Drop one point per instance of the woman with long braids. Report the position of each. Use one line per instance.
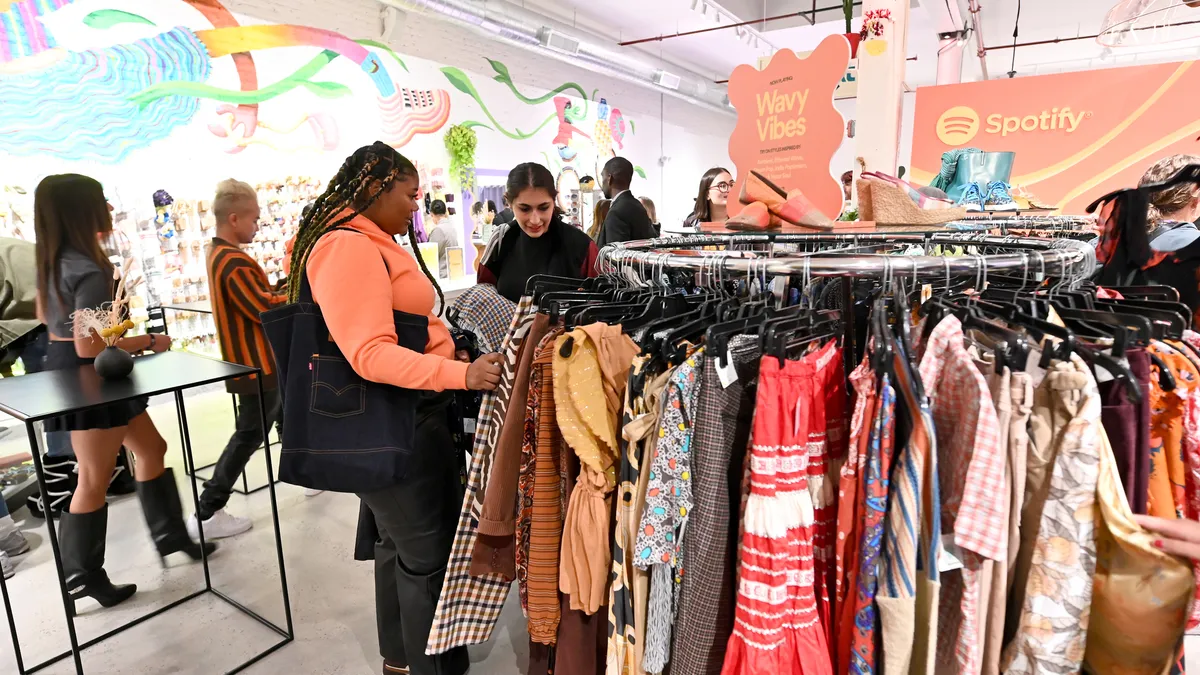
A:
(358, 275)
(73, 273)
(542, 242)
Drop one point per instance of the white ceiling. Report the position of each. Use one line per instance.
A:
(715, 54)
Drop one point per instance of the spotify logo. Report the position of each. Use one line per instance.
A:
(958, 126)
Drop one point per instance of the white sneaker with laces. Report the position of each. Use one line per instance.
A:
(6, 565)
(222, 524)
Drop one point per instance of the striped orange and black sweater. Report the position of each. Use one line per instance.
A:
(240, 294)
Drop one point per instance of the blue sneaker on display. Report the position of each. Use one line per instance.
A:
(972, 199)
(998, 198)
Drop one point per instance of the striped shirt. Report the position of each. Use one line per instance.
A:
(240, 294)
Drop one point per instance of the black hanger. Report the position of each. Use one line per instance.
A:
(1170, 317)
(1166, 293)
(1166, 379)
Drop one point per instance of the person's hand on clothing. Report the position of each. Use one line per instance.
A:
(1177, 537)
(484, 374)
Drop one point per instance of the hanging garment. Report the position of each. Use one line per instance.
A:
(1052, 593)
(1191, 455)
(1141, 595)
(826, 441)
(482, 310)
(629, 593)
(1122, 419)
(909, 582)
(850, 511)
(470, 606)
(581, 636)
(705, 617)
(863, 643)
(495, 545)
(1014, 399)
(591, 369)
(1168, 498)
(975, 505)
(777, 628)
(668, 505)
(545, 523)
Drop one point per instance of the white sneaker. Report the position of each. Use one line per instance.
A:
(222, 524)
(309, 492)
(6, 565)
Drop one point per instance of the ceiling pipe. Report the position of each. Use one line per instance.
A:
(1055, 41)
(981, 51)
(765, 19)
(508, 23)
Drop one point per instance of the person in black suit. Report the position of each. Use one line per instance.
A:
(627, 220)
(504, 217)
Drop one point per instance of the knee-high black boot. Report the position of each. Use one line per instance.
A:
(82, 538)
(164, 517)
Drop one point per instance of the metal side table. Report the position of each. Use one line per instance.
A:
(35, 398)
(205, 307)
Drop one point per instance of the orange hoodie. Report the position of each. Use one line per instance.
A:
(351, 284)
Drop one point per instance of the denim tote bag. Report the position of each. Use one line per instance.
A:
(340, 432)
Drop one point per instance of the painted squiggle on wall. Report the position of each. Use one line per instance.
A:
(81, 106)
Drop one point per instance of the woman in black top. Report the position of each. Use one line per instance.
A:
(70, 215)
(541, 243)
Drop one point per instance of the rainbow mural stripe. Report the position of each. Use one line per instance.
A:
(41, 111)
(21, 34)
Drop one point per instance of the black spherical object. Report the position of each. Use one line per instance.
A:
(114, 364)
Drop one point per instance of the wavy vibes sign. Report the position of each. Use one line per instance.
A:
(787, 127)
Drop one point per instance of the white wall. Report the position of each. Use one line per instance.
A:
(844, 159)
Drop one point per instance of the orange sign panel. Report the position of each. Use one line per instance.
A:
(1076, 136)
(787, 128)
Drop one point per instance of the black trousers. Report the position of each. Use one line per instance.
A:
(416, 521)
(247, 438)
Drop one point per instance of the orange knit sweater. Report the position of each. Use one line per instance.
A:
(351, 284)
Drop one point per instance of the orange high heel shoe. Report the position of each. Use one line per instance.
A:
(791, 207)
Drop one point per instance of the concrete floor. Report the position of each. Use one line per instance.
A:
(332, 595)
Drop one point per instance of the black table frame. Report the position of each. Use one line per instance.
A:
(32, 425)
(192, 471)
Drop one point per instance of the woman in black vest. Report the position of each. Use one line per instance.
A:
(541, 242)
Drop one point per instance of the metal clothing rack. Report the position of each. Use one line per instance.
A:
(875, 255)
(1039, 223)
(842, 255)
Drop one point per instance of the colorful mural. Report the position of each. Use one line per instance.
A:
(98, 80)
(107, 102)
(608, 131)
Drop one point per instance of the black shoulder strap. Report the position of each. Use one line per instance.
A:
(306, 290)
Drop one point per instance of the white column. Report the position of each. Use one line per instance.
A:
(881, 63)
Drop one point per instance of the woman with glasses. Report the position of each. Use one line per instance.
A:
(711, 200)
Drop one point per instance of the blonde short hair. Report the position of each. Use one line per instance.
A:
(231, 194)
(1174, 199)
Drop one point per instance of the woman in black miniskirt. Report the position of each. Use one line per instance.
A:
(70, 216)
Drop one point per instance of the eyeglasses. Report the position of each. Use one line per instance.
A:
(724, 188)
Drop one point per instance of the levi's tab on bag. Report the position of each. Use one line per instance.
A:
(341, 433)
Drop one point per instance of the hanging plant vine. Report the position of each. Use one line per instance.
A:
(461, 142)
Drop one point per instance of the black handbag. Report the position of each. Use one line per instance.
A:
(341, 433)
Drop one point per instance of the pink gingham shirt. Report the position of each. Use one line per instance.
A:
(975, 503)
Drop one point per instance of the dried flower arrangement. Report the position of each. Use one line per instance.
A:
(108, 322)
